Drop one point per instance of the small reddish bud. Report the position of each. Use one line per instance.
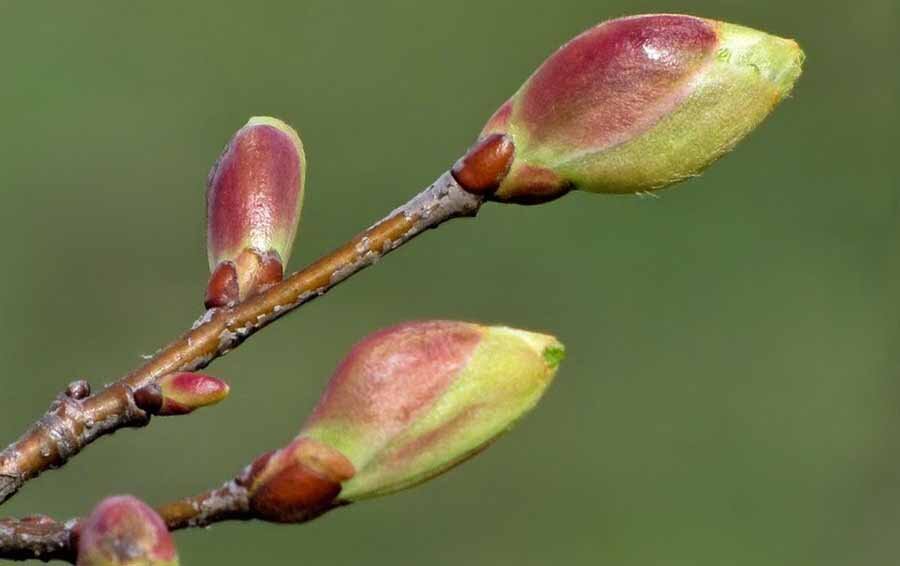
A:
(254, 198)
(185, 392)
(124, 531)
(639, 103)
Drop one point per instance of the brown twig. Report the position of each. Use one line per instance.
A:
(43, 538)
(37, 538)
(71, 424)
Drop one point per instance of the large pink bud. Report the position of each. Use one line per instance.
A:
(633, 104)
(406, 404)
(124, 531)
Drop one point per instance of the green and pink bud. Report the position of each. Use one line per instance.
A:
(631, 105)
(124, 531)
(181, 393)
(254, 197)
(406, 404)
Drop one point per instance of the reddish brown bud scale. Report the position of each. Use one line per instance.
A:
(222, 289)
(271, 271)
(185, 392)
(254, 197)
(297, 482)
(293, 495)
(251, 273)
(484, 166)
(78, 390)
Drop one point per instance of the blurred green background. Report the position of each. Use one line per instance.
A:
(732, 391)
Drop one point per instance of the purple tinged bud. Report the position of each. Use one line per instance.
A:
(254, 198)
(639, 103)
(186, 392)
(124, 531)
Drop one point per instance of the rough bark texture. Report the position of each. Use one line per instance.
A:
(72, 423)
(37, 538)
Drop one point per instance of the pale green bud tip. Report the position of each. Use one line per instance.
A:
(779, 61)
(633, 104)
(124, 531)
(415, 400)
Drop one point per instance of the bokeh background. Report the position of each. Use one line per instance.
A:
(732, 390)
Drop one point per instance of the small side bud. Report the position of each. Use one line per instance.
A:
(124, 531)
(406, 404)
(180, 394)
(185, 392)
(254, 198)
(638, 104)
(222, 289)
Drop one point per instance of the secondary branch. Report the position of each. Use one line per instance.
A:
(73, 423)
(42, 538)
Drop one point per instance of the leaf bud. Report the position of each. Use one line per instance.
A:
(407, 403)
(254, 197)
(634, 104)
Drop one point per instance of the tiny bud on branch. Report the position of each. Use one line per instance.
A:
(78, 390)
(185, 392)
(180, 393)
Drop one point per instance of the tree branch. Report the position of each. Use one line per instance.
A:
(38, 538)
(71, 424)
(42, 538)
